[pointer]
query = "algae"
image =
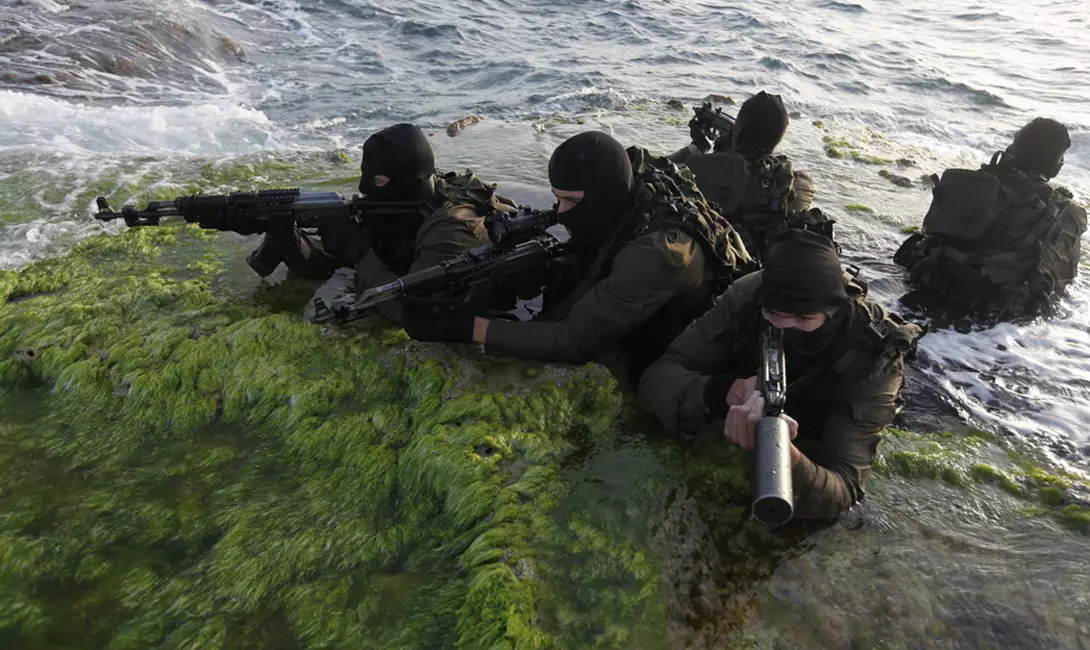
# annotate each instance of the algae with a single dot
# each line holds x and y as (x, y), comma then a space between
(870, 159)
(859, 207)
(1046, 493)
(184, 462)
(202, 468)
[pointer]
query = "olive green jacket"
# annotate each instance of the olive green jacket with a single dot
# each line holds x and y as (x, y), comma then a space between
(842, 403)
(446, 233)
(653, 270)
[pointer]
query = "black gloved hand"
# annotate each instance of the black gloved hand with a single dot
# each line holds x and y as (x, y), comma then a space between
(435, 322)
(700, 141)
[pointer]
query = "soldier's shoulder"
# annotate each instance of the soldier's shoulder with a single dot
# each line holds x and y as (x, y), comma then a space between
(671, 245)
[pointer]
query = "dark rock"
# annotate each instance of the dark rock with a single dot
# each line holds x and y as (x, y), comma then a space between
(675, 103)
(900, 181)
(719, 99)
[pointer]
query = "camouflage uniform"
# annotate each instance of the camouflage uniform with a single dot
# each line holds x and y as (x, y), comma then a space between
(997, 242)
(842, 397)
(646, 284)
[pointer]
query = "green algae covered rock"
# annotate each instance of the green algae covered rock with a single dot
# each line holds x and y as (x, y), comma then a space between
(955, 460)
(187, 463)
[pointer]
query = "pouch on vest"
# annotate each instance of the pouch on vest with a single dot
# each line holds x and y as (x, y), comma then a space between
(723, 179)
(965, 204)
(771, 185)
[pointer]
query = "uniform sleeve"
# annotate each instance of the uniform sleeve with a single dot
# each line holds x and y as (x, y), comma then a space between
(646, 274)
(683, 154)
(440, 238)
(830, 480)
(306, 257)
(446, 236)
(371, 272)
(674, 387)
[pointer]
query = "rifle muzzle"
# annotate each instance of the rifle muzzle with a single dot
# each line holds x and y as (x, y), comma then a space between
(773, 501)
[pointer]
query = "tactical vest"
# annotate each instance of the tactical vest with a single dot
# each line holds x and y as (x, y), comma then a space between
(756, 196)
(996, 239)
(466, 190)
(669, 199)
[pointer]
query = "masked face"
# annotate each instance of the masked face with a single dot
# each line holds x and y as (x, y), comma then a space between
(809, 333)
(592, 180)
(583, 217)
(804, 322)
(402, 156)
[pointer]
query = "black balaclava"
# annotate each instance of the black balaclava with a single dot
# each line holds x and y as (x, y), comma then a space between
(595, 163)
(802, 275)
(1039, 147)
(403, 153)
(760, 125)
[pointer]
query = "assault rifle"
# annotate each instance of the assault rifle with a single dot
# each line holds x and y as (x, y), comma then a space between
(773, 501)
(713, 122)
(256, 213)
(282, 210)
(521, 256)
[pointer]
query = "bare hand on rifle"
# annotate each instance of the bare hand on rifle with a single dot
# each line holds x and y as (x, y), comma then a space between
(742, 422)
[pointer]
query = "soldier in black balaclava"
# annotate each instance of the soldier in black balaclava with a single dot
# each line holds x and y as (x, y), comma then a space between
(758, 191)
(998, 243)
(643, 274)
(591, 178)
(844, 369)
(1039, 148)
(760, 125)
(412, 218)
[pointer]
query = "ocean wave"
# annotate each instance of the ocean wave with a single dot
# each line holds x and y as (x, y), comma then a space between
(577, 100)
(850, 7)
(977, 96)
(980, 16)
(41, 123)
(445, 31)
(103, 48)
(21, 244)
(773, 63)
